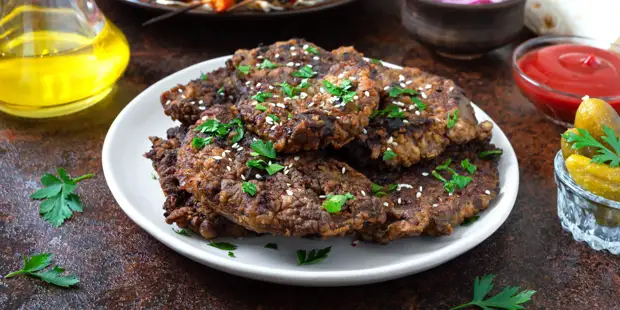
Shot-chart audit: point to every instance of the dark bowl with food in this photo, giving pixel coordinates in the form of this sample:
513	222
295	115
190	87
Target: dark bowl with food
464	31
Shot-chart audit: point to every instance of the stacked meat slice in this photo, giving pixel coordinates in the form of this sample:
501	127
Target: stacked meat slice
335	124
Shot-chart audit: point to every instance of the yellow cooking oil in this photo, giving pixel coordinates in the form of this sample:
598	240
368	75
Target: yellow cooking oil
58	71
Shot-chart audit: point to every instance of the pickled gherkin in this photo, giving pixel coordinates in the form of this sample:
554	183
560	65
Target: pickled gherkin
599	179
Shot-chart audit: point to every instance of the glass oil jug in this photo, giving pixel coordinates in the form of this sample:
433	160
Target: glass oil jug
57	56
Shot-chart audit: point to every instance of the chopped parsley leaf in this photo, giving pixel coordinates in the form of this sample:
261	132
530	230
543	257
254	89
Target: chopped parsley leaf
391	112
256	163
389	155
272	246
452	118
220	91
274	168
604	155
231	254
470	220
419	104
312	50
264	148
439	177
392	187
467	165
249	188
397	91
182	231
203	76
244	69
312	257
377	190
304	72
375	61
153	176
262	96
334	203
224	246
59	201
199	143
273	117
261	107
290	115
215	127
343	91
445	165
34	265
490	154
460	180
291	91
267	65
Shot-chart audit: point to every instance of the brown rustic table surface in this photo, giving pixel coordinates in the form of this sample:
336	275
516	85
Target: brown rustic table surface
122	267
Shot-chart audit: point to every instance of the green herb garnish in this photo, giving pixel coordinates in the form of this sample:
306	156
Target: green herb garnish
445	165
215	127
452	118
274	168
220	91
375	61
470	220
59	201
273	117
391	112
467	165
397	91
334	203
182	231
377	190
290	115
389	155
231	254
267	65
224	246
507	299
272	246
203	76
256	163
312	257
244	69
312	50
261	96
490	154
199	143
249	188
304	72
264	148
419	104
343	91
292	91
261	107
153	176
604	154
34	265
392	187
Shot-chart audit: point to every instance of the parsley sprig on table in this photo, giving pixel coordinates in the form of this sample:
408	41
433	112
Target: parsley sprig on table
334	203
59	201
604	154
34	265
312	257
343	91
510	298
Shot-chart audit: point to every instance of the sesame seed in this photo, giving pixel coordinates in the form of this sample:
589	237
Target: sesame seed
405	121
258	176
322	196
292	48
309	65
202	108
289	192
258	84
367	93
280	105
240	149
409	82
298	65
394	144
488	192
228	168
424	96
428	86
344	170
418	195
386	88
257	65
290	64
303	95
236	145
421	188
451	88
204	118
316	58
386	204
341	75
293	54
417	113
274	127
389	149
277	56
305	46
364	130
398	103
403	186
424	174
310	104
363	193
183	96
411	107
296	158
390	140
168	102
450	194
401	78
260	57
399	201
286	171
270	87
231	97
435	205
217	157
269	120
288	184
180	90
201	101
403	85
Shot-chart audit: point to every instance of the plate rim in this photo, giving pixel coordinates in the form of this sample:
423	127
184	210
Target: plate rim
304	277
309	10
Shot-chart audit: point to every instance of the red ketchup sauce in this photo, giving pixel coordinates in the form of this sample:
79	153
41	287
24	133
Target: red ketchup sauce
570	68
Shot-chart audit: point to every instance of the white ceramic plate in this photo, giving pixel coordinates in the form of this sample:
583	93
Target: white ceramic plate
128	175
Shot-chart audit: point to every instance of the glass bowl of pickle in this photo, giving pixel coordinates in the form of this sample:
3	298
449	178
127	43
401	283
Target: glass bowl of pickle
587	172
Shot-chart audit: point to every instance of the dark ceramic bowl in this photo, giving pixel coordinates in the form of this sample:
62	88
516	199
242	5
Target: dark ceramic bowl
463	31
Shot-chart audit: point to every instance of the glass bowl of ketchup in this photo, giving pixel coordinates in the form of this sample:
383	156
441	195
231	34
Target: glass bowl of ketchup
556	72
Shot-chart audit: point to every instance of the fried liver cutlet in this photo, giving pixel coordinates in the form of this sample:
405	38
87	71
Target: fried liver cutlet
304	100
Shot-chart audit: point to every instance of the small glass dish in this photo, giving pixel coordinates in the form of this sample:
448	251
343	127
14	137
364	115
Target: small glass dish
589	217
558	106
